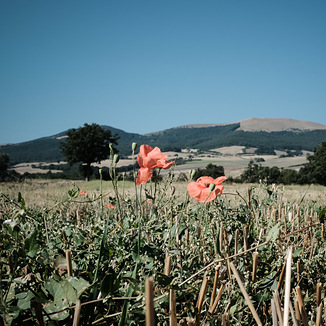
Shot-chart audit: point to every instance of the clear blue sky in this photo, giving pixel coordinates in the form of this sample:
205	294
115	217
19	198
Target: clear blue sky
145	66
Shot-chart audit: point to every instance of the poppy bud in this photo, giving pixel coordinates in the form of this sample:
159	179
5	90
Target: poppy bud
100	171
134	146
212	187
192	173
116	158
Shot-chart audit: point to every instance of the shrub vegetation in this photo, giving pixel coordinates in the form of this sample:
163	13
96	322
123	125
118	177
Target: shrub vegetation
100	257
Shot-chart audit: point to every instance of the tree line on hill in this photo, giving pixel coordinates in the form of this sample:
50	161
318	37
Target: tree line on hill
48	149
92	143
313	172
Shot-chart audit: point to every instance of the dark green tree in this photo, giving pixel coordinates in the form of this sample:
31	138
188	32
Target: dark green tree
289	176
4	164
253	173
88	144
211	170
315	170
274	174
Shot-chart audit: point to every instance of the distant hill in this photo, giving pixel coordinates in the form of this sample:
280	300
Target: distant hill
271	124
265	124
265	134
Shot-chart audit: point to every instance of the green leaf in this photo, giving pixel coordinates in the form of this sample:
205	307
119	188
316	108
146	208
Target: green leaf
163	280
69	292
31	244
110	284
322	215
73	193
24	300
233	309
297	253
79	239
68	231
135	257
150	263
273	232
21	201
79	284
10	314
123	318
64	296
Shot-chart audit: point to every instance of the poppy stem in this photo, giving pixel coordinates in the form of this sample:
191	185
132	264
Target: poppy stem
134	175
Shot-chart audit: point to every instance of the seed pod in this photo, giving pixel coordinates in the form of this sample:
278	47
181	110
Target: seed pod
192	173
134	146
116	158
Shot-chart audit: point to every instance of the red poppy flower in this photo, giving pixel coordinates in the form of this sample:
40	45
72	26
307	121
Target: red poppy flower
201	190
82	192
148	159
109	206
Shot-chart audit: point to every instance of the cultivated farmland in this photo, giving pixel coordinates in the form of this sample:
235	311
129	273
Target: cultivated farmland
109	253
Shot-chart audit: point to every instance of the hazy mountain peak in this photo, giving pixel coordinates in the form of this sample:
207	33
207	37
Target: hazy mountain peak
278	124
264	124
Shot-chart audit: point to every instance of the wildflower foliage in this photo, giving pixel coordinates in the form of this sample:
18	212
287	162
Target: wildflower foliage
209	261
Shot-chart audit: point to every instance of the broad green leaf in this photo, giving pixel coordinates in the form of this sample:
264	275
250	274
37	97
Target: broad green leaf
273	232
64	296
297	253
31	244
69	292
79	284
233	309
10	314
24	300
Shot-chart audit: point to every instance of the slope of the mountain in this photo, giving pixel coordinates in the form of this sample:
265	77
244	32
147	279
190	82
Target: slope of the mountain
262	124
266	134
273	124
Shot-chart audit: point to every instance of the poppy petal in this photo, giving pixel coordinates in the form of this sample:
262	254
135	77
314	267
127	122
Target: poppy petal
194	189
168	164
206	180
157	155
218	190
163	164
219	180
206	196
145	150
149	163
144	174
140	161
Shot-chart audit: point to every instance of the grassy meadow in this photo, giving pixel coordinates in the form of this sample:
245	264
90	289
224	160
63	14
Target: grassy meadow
45	193
121	254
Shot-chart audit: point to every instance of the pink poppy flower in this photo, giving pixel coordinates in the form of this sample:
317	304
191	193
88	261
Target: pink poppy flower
148	159
201	190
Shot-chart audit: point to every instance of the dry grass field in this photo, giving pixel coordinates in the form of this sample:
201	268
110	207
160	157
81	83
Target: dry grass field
45	193
234	159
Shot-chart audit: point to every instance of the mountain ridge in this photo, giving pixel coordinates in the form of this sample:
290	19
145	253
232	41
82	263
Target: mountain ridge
266	134
260	124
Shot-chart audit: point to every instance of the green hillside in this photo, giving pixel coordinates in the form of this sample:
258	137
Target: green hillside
47	149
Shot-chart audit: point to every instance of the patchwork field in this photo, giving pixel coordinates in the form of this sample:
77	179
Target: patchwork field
234	159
